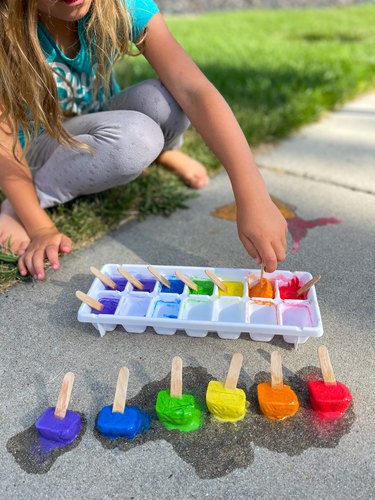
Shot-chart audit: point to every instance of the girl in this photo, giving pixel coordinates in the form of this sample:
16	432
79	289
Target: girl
64	117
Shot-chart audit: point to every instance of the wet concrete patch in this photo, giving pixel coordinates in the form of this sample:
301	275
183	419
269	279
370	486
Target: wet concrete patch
30	454
211	450
305	430
217	449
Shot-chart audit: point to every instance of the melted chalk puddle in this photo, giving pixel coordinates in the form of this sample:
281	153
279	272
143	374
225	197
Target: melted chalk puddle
216	449
30	454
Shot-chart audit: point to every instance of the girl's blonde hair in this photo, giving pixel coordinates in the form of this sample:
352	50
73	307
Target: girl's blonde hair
28	91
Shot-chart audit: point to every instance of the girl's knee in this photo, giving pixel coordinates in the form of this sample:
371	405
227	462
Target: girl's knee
168	112
154	100
139	141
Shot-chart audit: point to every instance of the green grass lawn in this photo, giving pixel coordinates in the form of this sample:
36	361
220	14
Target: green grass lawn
277	69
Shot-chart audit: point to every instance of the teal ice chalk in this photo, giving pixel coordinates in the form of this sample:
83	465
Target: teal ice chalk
114	425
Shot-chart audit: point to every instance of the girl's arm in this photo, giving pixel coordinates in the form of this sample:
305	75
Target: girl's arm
261	227
17	184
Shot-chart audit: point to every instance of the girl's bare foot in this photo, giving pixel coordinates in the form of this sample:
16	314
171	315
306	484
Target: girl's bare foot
11	229
191	171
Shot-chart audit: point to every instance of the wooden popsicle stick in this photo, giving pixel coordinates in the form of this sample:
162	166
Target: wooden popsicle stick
251	279
89	301
176	378
64	395
121	389
187	281
103	278
276	370
216	280
234	371
159	276
325	366
136	283
261	271
308	285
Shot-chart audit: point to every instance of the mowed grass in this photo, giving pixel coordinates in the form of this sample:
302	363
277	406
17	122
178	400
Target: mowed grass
277	69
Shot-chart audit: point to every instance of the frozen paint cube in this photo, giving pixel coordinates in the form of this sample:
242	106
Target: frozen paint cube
205	287
263	288
110	305
114	425
329	400
177	286
178	413
120	281
62	431
277	404
290	288
228	405
148	285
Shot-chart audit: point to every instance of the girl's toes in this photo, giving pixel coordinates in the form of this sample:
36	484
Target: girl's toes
199	181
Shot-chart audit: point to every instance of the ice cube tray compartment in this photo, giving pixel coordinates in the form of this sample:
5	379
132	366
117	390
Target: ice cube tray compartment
134	305
227	313
197	309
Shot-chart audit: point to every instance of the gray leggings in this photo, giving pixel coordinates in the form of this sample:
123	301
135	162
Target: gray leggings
135	126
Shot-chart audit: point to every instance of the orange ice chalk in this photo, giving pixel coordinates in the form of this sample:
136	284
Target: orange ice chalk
276	400
277	404
263	288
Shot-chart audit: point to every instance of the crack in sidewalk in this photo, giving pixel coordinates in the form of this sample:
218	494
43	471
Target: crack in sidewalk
282	171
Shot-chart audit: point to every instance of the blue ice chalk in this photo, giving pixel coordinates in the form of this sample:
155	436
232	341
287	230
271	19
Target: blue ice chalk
114	425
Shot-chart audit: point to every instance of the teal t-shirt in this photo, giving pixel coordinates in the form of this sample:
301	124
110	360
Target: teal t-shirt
80	71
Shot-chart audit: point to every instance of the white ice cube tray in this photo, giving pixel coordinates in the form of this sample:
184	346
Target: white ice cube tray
228	316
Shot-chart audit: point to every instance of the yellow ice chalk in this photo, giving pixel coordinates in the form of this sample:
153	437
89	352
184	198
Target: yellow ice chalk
227	405
234	288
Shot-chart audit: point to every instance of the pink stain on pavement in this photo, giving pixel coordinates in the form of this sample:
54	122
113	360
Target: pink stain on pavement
298	227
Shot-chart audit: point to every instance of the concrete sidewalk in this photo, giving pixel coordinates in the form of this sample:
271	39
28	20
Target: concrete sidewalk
298	458
339	150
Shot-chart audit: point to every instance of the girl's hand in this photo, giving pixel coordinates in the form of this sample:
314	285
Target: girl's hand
46	243
263	232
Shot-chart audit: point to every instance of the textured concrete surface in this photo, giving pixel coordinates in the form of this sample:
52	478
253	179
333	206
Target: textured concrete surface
42	339
340	149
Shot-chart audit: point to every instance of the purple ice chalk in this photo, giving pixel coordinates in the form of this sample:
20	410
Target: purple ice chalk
149	285
57	432
114	425
120	282
110	305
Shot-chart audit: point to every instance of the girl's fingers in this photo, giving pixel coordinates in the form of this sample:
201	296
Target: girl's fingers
65	244
284	240
38	264
21	266
250	248
52	256
22	248
32	261
268	256
280	251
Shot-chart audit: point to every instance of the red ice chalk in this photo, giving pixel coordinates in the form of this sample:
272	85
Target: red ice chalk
289	290
330	401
